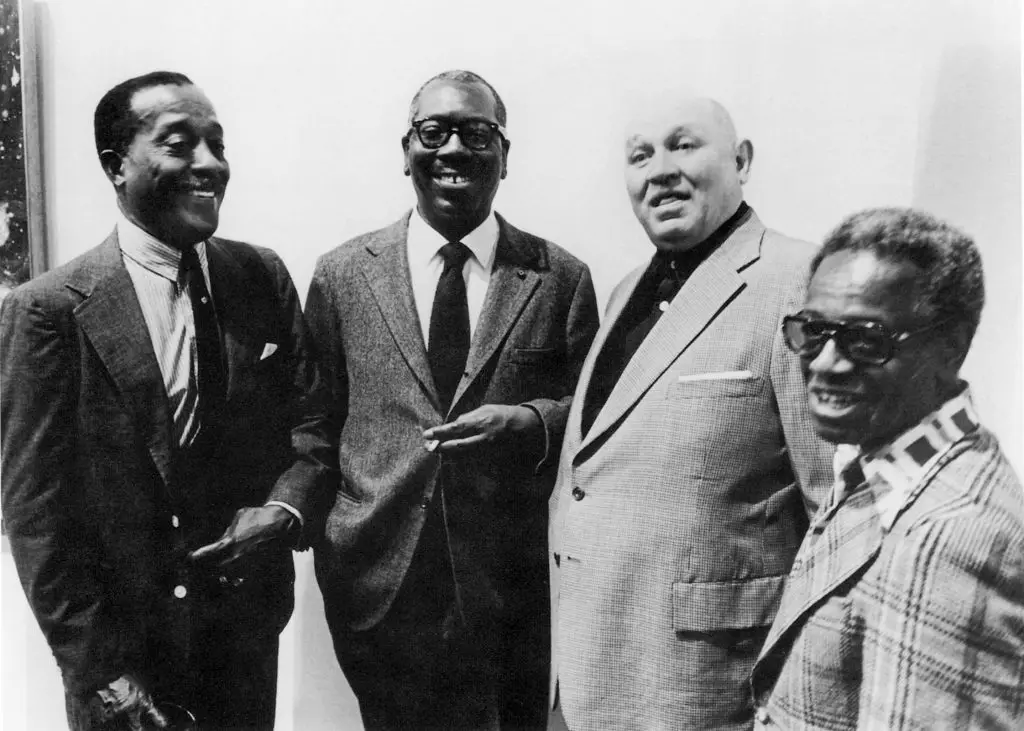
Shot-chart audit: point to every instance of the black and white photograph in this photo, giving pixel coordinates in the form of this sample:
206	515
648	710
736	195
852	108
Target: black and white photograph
530	366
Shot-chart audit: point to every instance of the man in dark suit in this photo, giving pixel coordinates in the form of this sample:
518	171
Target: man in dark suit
148	391
451	342
689	467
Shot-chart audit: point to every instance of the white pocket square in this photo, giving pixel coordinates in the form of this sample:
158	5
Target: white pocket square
268	350
720	376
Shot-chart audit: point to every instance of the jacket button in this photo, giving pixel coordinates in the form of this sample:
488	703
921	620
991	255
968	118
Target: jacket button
174	521
425	504
577	493
180	591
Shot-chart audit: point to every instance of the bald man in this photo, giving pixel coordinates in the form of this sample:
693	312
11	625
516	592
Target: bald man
689	467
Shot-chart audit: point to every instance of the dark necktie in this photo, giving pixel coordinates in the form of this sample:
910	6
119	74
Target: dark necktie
208	352
448	340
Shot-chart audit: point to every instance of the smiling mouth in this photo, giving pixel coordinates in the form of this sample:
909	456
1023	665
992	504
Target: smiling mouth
833	403
668	199
451	178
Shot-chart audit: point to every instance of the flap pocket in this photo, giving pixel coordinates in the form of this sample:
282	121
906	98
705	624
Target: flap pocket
708	606
530	356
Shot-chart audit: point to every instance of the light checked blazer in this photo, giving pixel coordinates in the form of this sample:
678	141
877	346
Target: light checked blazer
918	628
674	522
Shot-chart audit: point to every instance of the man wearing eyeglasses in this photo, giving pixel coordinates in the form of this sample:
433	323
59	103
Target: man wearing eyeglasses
689	468
905	607
451	342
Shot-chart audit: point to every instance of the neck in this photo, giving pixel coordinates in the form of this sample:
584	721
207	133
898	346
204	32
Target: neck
453	229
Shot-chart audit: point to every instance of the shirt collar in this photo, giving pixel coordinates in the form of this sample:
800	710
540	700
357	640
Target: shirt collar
424	242
898	467
149	252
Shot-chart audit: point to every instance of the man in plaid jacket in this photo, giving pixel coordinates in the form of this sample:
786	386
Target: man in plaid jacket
905	605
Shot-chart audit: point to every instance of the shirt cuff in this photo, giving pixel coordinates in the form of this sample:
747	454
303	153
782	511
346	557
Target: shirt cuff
289	508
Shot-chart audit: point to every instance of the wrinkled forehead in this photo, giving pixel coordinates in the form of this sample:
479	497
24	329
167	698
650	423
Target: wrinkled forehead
698	115
184	101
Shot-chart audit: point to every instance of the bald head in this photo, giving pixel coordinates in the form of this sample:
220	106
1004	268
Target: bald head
685	169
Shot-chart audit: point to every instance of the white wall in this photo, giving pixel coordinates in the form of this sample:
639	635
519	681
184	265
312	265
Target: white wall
849	104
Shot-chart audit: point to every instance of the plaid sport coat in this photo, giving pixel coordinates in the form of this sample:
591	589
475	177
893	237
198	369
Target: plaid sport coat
676	518
918	628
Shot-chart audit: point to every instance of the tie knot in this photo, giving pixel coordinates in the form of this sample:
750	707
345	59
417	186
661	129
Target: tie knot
852	475
455	254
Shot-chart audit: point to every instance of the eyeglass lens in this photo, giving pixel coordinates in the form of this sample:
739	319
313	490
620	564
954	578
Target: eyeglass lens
858	342
474	134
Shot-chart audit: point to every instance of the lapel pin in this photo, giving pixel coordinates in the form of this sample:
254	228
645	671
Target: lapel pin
521	274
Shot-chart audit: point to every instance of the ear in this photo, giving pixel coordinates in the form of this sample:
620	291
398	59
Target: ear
744	159
505	144
405	155
113	167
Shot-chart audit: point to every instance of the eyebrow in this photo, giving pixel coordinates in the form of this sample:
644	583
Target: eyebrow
184	124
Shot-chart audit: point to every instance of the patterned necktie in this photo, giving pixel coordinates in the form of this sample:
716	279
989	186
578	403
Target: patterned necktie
208	351
448	344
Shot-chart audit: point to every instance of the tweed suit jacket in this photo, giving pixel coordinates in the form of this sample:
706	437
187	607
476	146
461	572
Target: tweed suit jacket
89	488
676	518
920	627
537	322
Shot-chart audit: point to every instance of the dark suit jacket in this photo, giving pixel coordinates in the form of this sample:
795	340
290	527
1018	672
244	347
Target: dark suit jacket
89	488
534	330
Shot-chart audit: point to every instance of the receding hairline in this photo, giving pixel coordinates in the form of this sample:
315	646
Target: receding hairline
457	78
679	110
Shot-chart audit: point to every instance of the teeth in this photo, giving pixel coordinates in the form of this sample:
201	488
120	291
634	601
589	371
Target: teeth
454	179
202	193
838	400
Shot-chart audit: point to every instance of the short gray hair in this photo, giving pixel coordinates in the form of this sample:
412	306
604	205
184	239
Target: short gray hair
952	278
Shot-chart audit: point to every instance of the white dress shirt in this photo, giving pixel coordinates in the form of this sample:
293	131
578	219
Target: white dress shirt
423	247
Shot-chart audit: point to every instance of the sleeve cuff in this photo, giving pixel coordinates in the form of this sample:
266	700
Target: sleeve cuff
289	508
537	468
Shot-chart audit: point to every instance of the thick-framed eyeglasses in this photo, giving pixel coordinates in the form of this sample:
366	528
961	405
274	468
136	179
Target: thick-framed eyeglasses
864	343
476	134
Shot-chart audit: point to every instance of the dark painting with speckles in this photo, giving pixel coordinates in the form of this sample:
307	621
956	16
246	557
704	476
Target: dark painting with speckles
15	252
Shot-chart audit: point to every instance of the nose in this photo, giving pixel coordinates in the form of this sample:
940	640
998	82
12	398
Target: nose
453	145
663	168
830	360
204	158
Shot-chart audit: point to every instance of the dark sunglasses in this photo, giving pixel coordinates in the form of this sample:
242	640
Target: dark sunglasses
476	134
865	343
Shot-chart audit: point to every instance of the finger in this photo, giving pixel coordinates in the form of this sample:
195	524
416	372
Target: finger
210	550
461	446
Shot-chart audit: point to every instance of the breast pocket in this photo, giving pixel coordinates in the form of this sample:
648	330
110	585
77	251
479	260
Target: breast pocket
723	384
535	373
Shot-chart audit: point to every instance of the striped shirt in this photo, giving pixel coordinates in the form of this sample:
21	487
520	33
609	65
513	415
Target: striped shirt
167	309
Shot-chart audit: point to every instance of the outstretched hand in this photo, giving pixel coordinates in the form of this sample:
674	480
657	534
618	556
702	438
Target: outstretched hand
489	426
250	529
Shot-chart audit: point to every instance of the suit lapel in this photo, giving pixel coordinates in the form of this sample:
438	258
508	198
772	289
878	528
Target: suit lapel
231	293
829	557
111	318
706	293
512	283
387	273
615	306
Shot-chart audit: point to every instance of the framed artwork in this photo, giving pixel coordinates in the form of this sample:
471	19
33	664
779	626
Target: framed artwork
22	235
